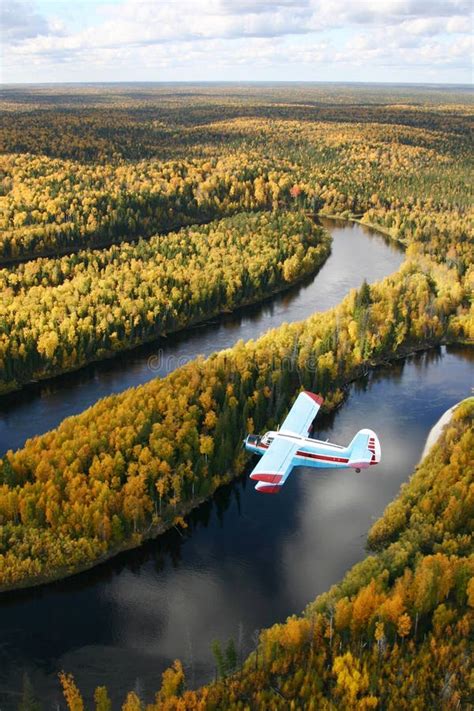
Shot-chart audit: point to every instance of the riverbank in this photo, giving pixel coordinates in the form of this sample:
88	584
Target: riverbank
155	589
371	225
437	429
193	323
136	541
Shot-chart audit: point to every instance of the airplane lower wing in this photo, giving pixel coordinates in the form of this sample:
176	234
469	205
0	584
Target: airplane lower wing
275	466
301	416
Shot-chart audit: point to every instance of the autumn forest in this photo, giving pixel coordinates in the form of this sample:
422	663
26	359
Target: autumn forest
130	214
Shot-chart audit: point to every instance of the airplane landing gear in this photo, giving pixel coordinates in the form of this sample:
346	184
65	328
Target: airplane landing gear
357	471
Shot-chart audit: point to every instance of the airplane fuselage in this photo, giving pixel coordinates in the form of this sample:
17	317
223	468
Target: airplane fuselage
312	452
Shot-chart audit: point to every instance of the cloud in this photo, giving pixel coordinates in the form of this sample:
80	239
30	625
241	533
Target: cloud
392	50
238	7
213	33
397	11
147	22
430	26
19	21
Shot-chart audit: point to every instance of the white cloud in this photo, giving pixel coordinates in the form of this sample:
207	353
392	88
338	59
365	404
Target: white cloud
19	21
210	33
428	26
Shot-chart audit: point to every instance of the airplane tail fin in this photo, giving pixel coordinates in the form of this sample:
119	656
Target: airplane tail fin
364	450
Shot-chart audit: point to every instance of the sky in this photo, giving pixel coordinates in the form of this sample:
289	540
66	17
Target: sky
417	41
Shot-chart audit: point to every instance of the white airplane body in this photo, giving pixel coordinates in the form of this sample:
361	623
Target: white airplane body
290	446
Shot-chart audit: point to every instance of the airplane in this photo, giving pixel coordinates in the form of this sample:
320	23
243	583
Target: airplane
291	446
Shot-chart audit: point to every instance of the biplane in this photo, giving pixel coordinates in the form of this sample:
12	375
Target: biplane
291	446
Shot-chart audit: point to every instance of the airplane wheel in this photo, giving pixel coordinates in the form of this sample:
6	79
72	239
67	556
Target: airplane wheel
357	471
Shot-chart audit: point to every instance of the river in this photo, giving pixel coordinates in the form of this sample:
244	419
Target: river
357	253
245	560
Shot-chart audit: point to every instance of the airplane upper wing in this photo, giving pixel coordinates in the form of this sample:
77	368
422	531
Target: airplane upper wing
301	416
274	467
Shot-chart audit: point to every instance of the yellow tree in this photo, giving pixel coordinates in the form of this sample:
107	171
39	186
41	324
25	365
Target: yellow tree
71	692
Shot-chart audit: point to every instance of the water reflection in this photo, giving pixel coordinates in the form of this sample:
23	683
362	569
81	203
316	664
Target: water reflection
244	562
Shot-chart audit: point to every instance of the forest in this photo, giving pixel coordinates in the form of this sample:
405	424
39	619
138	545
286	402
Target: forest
58	314
393	634
130	215
53	206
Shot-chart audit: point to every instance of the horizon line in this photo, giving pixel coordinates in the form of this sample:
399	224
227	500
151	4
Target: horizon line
252	82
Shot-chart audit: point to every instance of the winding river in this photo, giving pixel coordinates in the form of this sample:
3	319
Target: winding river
357	253
245	560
